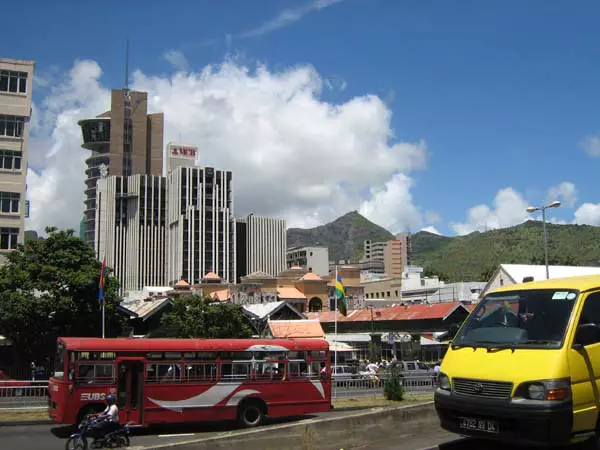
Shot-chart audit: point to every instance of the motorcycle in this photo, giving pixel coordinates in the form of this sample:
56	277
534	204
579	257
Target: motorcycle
86	429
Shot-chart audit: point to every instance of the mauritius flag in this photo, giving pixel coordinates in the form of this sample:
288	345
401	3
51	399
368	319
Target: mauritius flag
101	283
340	295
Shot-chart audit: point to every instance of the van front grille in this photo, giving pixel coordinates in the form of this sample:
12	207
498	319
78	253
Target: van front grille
481	388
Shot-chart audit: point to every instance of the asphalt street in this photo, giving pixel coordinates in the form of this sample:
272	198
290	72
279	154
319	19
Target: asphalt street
49	437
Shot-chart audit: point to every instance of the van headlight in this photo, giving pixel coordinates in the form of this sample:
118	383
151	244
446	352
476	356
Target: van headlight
444	381
548	390
536	391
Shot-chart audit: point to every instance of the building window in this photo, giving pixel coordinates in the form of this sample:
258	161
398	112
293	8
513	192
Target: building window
13	81
9	202
9	238
11	126
10	160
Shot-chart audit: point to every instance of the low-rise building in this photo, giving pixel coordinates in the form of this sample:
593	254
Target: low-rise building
509	274
312	259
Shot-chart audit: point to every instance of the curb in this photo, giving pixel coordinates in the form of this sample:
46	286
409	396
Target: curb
241	438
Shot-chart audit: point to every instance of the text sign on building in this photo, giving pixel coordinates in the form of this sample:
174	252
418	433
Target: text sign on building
182	151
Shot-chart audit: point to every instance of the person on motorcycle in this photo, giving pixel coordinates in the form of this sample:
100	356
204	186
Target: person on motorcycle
108	420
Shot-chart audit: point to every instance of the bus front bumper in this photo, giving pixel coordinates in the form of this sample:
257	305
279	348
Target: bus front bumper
533	423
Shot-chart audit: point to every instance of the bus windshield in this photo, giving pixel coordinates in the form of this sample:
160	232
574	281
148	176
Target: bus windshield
527	318
59	362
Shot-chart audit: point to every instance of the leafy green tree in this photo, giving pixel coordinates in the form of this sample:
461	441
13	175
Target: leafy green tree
49	288
487	273
429	273
195	316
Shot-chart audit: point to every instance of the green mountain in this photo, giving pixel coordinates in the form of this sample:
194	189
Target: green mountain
474	256
344	236
462	258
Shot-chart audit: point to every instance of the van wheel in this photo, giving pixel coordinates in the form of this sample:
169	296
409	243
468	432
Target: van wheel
251	413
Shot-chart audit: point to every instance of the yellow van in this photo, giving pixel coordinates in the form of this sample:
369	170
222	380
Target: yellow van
524	367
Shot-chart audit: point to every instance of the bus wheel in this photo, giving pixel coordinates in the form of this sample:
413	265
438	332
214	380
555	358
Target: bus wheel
251	413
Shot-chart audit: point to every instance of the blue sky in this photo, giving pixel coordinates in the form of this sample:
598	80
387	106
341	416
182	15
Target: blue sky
503	92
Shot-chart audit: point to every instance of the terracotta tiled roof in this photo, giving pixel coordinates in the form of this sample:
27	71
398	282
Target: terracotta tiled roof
259	275
211	276
296	329
409	312
221	295
182	282
311	276
290	293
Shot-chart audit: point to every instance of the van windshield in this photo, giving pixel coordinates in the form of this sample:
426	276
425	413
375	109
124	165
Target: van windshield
527	318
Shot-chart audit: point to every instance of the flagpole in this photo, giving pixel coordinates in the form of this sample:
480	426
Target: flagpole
102	318
335	332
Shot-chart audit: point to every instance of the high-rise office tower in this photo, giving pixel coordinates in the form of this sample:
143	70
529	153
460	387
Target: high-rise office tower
261	244
201	227
15	110
131	229
124	141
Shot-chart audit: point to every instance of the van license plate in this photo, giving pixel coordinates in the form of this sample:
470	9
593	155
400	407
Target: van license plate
484	425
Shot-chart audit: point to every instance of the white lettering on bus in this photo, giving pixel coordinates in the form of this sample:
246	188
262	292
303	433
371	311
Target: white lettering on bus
86	396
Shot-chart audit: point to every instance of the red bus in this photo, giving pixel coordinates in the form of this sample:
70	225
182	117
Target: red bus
190	380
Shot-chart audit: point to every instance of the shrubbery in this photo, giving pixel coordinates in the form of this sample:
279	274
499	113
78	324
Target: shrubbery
393	389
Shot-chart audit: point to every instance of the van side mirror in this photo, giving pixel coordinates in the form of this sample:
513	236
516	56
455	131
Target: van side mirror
586	334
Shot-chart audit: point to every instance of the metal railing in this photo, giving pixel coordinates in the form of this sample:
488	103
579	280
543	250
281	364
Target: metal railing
21	394
30	394
366	386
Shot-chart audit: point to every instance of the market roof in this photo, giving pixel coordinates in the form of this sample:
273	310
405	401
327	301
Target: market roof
406	312
290	293
296	329
311	276
264	310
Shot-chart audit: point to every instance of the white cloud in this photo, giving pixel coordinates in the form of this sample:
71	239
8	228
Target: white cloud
432	217
591	145
509	209
177	59
588	214
292	154
391	206
566	192
431	229
289	16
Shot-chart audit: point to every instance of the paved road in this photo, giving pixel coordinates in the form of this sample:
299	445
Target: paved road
49	437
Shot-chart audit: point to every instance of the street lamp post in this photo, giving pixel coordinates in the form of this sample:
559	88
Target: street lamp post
532	209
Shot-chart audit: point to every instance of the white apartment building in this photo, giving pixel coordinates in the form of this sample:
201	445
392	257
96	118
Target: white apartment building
261	244
16	78
314	259
201	226
130	229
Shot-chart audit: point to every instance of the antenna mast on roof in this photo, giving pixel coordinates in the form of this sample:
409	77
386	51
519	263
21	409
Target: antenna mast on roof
127	129
127	66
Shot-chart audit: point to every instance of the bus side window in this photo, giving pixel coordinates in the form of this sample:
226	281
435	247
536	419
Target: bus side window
163	373
315	370
95	374
200	372
269	370
298	369
239	370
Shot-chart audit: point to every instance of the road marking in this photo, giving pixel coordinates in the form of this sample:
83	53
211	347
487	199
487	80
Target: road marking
175	435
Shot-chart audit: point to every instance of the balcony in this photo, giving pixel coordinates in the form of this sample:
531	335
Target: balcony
96	133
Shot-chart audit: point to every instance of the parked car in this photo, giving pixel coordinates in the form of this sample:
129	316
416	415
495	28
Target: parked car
343	372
